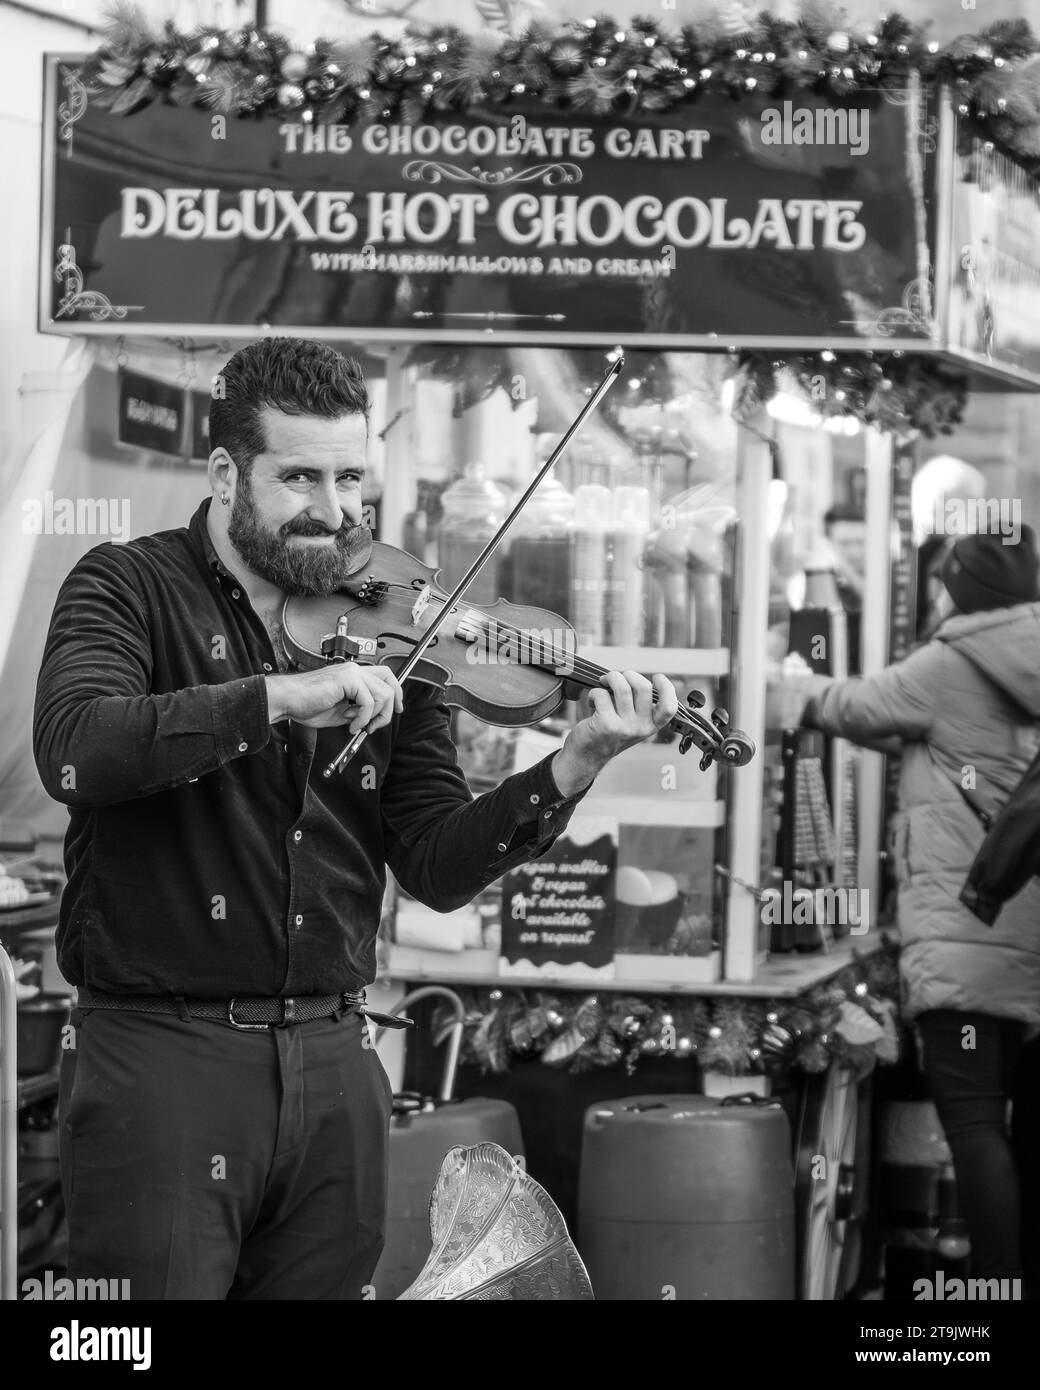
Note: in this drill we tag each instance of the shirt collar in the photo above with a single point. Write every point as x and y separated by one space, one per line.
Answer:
199 533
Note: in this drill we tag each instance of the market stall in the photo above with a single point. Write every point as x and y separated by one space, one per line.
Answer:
810 247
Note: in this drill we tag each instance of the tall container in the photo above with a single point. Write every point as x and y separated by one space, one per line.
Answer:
630 529
474 508
540 555
687 1198
590 564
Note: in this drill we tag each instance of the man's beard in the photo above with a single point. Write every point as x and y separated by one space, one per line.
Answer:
302 570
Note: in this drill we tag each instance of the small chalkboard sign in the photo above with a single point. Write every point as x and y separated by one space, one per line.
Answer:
558 911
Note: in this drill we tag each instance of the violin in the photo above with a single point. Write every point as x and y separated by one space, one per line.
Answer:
502 662
506 663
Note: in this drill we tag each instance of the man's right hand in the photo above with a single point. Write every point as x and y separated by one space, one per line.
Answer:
362 697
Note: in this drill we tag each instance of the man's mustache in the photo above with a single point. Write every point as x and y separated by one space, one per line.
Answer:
315 528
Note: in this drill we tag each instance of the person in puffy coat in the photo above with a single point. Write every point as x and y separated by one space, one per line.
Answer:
963 711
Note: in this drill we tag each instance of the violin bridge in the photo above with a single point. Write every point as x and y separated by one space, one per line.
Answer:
421 604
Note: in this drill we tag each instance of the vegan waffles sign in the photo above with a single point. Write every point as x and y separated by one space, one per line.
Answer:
558 912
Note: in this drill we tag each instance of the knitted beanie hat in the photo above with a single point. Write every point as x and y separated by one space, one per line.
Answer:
991 571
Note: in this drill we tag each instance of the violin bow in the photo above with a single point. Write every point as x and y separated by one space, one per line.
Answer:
609 377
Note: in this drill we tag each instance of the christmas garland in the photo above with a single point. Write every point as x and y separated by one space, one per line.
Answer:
895 391
594 66
851 1020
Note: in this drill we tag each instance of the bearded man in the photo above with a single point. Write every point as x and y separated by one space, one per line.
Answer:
223 1122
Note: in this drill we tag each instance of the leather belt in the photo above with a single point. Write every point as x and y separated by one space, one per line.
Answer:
250 1015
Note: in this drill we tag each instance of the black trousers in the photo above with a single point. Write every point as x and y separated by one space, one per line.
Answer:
972 1077
200 1162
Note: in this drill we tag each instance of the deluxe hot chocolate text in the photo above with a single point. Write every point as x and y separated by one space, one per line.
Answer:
521 219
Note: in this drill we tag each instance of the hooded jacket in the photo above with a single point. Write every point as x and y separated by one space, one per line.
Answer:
962 710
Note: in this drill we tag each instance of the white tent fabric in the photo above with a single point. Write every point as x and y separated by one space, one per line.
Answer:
73 459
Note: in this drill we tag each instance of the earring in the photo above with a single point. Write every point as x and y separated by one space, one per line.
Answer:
225 499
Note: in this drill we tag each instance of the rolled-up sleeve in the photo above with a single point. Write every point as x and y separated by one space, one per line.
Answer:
443 845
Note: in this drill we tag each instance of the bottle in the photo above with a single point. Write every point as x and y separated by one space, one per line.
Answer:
668 593
474 509
630 527
589 564
540 556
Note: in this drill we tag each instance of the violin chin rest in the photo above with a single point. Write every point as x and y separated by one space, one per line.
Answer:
364 538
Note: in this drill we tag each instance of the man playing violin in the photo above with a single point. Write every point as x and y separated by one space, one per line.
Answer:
224 1124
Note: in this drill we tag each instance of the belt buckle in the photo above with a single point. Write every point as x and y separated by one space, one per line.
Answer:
247 1027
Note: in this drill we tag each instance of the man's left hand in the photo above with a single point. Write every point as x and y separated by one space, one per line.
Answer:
624 713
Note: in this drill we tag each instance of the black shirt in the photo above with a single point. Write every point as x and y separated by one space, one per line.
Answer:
206 855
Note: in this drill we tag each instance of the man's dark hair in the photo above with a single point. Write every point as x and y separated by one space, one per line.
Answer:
842 511
294 375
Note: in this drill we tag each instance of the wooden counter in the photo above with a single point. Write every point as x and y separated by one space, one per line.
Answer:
779 977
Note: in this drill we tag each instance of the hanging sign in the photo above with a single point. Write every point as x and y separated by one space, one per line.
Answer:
558 912
152 413
200 446
993 314
719 223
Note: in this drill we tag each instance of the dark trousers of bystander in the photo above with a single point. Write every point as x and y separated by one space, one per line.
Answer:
972 1076
202 1162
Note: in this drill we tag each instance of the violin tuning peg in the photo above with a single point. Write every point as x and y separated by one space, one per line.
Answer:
706 761
685 743
696 699
720 718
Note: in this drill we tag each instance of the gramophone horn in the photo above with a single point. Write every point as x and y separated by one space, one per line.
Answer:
496 1235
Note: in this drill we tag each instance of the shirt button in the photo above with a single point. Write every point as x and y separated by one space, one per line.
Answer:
535 799
235 593
502 848
547 816
242 747
298 836
267 666
299 919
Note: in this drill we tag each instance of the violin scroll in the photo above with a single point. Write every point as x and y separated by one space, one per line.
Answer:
715 739
738 748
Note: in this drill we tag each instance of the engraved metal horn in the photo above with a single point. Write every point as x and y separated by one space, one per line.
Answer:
497 1235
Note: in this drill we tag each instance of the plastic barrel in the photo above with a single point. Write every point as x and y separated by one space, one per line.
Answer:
418 1143
687 1198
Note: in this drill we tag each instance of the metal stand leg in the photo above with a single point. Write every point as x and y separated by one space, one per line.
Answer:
8 1130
